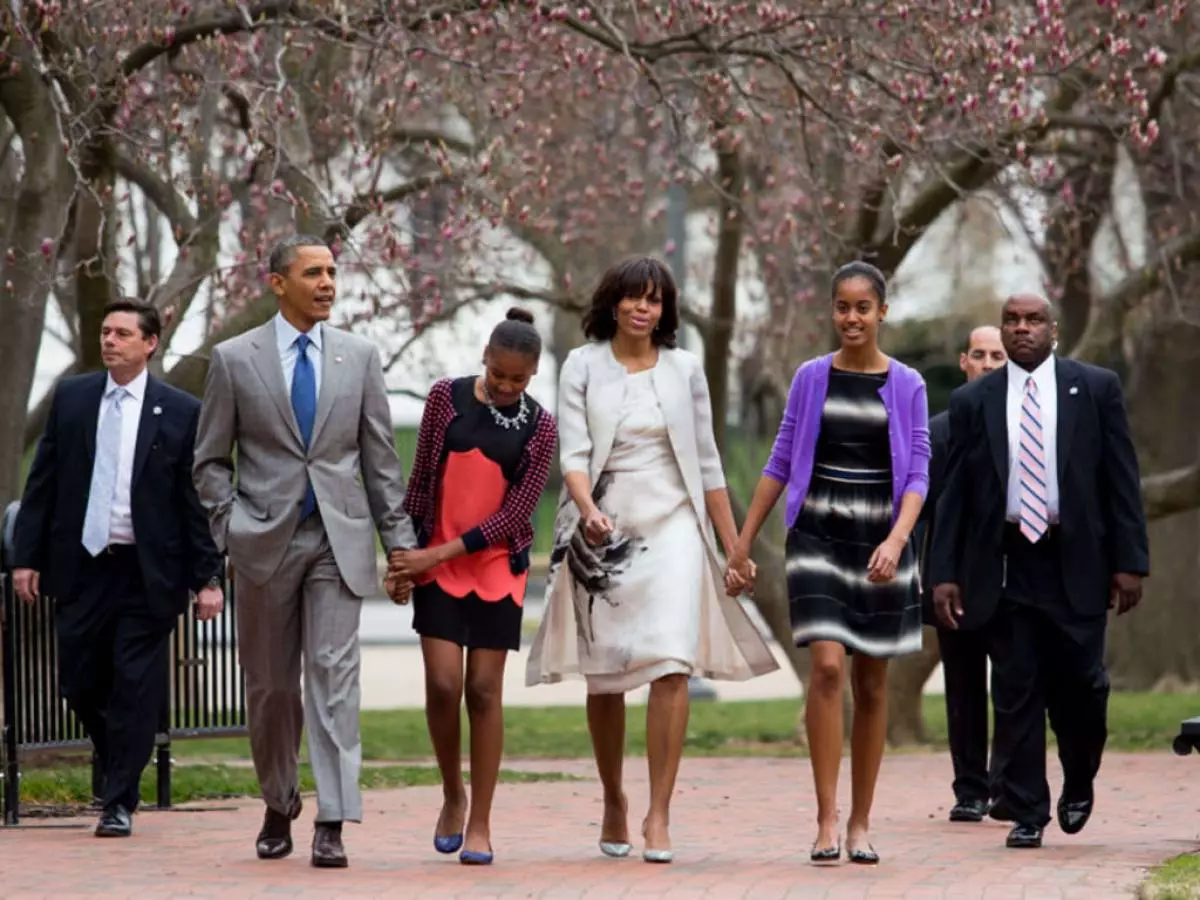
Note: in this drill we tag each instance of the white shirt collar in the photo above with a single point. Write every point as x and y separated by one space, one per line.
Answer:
286 334
1043 375
135 388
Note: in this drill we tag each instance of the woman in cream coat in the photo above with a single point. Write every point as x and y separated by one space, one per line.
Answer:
635 588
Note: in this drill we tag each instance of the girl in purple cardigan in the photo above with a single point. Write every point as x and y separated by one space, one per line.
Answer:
852 453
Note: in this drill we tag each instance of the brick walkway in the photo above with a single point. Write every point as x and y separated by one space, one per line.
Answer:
742 830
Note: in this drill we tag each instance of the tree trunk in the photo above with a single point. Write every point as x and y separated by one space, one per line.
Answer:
1155 644
906 688
27 271
95 227
719 335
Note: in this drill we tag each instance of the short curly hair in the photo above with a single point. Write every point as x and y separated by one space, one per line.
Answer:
631 279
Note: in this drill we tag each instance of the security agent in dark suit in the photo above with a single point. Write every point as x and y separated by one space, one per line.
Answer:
963 653
1040 532
111 528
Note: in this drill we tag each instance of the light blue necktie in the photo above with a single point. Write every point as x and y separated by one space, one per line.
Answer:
304 405
104 479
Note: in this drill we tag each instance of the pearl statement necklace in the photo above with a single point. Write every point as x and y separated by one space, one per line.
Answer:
502 420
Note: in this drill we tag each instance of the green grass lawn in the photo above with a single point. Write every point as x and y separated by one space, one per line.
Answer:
1176 879
396 739
70 786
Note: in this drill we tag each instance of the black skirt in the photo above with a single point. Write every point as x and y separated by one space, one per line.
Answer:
467 621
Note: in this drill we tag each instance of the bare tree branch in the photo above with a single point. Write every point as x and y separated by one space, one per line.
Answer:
1103 333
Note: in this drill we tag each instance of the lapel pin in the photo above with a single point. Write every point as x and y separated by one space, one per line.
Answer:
157 410
337 359
1073 390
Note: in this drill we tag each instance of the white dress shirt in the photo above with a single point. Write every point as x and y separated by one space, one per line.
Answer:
1047 397
121 516
285 339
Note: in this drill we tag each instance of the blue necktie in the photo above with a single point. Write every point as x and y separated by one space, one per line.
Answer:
304 405
97 519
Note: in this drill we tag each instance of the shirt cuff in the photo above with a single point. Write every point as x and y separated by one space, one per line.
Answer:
474 540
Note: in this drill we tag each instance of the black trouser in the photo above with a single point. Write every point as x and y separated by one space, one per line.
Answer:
1045 659
113 667
964 670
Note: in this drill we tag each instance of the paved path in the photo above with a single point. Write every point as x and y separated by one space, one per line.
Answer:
742 830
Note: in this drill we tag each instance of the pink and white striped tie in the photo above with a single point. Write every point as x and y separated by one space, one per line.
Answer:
1035 513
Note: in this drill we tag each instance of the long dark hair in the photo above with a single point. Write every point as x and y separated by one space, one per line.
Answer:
631 279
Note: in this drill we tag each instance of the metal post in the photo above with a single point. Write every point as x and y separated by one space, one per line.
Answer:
162 768
12 766
98 784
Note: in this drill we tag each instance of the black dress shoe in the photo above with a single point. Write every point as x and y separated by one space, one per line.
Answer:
969 811
274 839
1024 837
115 821
1073 814
327 849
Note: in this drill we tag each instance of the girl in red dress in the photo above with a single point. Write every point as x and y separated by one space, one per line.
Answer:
484 453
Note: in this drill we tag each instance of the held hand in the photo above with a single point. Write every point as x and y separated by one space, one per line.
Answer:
25 583
410 563
399 589
740 574
1125 592
881 567
597 527
947 604
209 603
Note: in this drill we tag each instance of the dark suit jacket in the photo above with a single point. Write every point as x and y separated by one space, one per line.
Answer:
174 546
939 442
1102 526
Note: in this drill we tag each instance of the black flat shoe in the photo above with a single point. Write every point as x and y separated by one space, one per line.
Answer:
1073 814
969 811
115 821
825 854
861 857
1024 837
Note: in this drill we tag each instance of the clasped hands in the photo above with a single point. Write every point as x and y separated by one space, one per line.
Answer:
403 567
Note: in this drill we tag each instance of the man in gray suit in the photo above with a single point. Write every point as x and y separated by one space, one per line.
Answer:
316 469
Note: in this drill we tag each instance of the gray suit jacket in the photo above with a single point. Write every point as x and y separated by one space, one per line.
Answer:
356 475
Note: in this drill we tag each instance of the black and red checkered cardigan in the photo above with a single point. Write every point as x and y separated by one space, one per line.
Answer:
513 522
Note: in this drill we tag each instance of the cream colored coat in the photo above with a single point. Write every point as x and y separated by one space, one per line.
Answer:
590 397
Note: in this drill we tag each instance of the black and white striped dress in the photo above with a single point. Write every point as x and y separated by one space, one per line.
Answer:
846 515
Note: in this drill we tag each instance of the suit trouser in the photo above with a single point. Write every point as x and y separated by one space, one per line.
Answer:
304 611
1045 659
113 667
964 670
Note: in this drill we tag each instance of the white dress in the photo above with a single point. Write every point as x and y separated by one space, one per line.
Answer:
646 602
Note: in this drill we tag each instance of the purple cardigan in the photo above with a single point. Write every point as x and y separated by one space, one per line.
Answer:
792 457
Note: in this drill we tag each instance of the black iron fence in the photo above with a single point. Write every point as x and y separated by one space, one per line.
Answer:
206 696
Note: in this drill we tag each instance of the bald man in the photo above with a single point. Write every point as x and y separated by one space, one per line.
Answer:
963 653
1040 531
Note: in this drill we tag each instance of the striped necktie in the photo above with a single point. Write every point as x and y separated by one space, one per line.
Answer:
1035 516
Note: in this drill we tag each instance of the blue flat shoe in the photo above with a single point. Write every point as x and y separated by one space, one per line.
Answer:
447 843
476 857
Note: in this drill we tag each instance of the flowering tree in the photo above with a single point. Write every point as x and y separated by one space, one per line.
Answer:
448 147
